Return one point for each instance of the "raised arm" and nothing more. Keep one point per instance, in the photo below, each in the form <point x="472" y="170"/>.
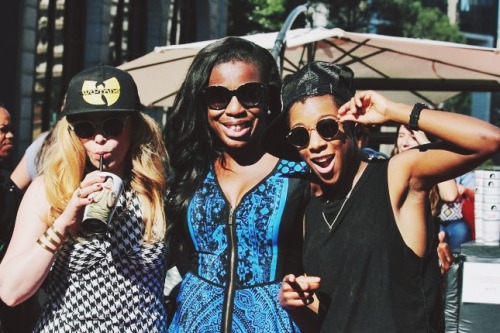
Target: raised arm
<point x="466" y="143"/>
<point x="468" y="140"/>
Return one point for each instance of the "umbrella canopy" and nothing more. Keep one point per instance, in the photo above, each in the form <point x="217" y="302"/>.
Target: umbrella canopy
<point x="404" y="69"/>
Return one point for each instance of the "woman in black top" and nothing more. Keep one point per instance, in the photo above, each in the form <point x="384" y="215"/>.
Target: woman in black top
<point x="370" y="255"/>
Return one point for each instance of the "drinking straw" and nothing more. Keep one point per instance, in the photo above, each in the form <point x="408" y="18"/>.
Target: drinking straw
<point x="101" y="160"/>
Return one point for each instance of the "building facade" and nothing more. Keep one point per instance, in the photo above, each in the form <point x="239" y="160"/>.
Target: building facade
<point x="46" y="42"/>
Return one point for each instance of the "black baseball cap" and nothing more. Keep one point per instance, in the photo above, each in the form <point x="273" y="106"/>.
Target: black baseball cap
<point x="315" y="79"/>
<point x="101" y="88"/>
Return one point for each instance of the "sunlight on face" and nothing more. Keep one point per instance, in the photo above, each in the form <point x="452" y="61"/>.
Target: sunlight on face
<point x="406" y="140"/>
<point x="114" y="149"/>
<point x="236" y="125"/>
<point x="325" y="157"/>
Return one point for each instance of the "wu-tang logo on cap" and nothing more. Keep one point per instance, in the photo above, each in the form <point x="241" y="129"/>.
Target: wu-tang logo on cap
<point x="101" y="92"/>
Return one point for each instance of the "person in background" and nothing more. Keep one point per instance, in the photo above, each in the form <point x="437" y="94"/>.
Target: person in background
<point x="452" y="218"/>
<point x="239" y="209"/>
<point x="9" y="191"/>
<point x="445" y="197"/>
<point x="446" y="191"/>
<point x="369" y="252"/>
<point x="29" y="166"/>
<point x="106" y="282"/>
<point x="22" y="318"/>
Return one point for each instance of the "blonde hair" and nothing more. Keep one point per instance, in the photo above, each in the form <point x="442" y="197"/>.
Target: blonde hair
<point x="64" y="168"/>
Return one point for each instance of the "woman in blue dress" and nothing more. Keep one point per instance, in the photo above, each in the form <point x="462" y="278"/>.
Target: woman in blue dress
<point x="238" y="209"/>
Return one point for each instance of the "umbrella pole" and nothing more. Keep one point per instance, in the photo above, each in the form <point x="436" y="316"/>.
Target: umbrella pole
<point x="280" y="39"/>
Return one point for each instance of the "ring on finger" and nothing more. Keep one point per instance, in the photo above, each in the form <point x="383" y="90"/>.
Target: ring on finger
<point x="78" y="194"/>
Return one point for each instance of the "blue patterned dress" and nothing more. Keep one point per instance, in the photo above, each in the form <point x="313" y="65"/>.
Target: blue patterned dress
<point x="111" y="282"/>
<point x="241" y="254"/>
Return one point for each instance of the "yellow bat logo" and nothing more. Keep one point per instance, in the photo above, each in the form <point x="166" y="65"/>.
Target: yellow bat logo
<point x="101" y="93"/>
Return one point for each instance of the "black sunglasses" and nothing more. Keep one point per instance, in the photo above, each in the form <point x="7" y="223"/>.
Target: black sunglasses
<point x="326" y="128"/>
<point x="6" y="129"/>
<point x="85" y="129"/>
<point x="249" y="95"/>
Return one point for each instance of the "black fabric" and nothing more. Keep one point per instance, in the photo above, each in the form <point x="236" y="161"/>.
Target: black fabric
<point x="453" y="285"/>
<point x="10" y="198"/>
<point x="374" y="282"/>
<point x="21" y="318"/>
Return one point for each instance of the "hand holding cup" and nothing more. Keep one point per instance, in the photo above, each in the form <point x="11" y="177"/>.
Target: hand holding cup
<point x="98" y="213"/>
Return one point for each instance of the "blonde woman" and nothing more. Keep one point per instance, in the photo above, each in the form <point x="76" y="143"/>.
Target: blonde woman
<point x="96" y="282"/>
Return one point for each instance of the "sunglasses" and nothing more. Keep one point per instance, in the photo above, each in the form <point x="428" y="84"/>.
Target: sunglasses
<point x="85" y="129"/>
<point x="5" y="129"/>
<point x="249" y="95"/>
<point x="299" y="136"/>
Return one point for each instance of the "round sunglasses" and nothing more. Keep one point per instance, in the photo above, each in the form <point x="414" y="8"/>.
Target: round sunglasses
<point x="85" y="129"/>
<point x="249" y="95"/>
<point x="299" y="136"/>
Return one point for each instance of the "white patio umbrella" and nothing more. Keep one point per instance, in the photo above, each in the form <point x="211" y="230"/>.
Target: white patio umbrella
<point x="404" y="69"/>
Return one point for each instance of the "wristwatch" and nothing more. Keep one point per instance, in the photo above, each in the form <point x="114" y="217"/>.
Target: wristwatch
<point x="415" y="115"/>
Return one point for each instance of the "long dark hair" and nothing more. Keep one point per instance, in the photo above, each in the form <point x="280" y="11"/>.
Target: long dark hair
<point x="190" y="142"/>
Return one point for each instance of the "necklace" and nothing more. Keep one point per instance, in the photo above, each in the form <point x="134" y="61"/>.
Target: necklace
<point x="330" y="226"/>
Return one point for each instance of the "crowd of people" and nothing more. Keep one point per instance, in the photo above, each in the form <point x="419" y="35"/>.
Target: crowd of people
<point x="261" y="193"/>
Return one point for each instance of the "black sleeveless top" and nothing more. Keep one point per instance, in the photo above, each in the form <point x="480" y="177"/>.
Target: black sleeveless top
<point x="370" y="280"/>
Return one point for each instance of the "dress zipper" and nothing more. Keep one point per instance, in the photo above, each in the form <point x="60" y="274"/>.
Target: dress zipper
<point x="228" y="307"/>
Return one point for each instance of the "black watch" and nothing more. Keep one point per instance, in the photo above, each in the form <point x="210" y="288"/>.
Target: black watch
<point x="415" y="115"/>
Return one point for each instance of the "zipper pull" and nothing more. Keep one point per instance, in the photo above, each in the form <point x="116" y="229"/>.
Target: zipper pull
<point x="230" y="222"/>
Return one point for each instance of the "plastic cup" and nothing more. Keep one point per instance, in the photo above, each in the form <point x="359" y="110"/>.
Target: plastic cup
<point x="97" y="215"/>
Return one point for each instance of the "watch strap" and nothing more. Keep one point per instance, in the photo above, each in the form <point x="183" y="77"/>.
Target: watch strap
<point x="415" y="115"/>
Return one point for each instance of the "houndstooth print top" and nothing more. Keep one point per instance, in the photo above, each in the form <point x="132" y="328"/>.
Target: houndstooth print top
<point x="110" y="282"/>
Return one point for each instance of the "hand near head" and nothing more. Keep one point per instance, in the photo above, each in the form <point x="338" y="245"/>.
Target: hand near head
<point x="444" y="254"/>
<point x="366" y="107"/>
<point x="421" y="137"/>
<point x="297" y="292"/>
